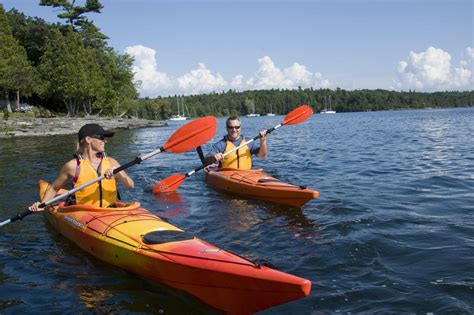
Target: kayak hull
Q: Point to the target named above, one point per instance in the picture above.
(136, 240)
(256, 184)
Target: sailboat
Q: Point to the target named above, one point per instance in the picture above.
(178, 116)
(271, 111)
(326, 110)
(253, 114)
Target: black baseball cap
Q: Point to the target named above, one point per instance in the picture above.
(90, 130)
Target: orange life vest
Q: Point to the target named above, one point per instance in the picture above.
(101, 194)
(241, 158)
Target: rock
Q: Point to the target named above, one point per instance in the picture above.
(68, 125)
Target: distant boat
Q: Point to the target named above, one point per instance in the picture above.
(179, 117)
(326, 110)
(253, 114)
(271, 111)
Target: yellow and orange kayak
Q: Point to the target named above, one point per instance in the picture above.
(136, 240)
(256, 184)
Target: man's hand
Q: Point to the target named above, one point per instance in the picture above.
(218, 157)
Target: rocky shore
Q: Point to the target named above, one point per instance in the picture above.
(68, 125)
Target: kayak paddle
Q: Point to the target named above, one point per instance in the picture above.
(186, 138)
(173, 182)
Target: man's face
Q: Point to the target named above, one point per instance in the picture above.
(233, 129)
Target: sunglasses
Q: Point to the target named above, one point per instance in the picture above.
(233, 127)
(99, 137)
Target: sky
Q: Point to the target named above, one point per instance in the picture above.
(193, 46)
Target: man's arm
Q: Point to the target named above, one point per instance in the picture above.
(262, 152)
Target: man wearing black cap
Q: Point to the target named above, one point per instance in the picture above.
(90, 161)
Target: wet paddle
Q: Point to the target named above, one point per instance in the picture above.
(186, 138)
(173, 182)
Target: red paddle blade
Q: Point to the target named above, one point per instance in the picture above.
(297, 115)
(192, 135)
(169, 184)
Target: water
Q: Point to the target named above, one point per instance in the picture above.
(392, 230)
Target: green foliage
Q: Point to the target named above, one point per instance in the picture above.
(7, 128)
(74, 70)
(64, 71)
(16, 73)
(78, 22)
(283, 101)
(31, 33)
(74, 14)
(6, 114)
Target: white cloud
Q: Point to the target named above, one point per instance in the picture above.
(470, 52)
(431, 70)
(203, 80)
(145, 69)
(269, 76)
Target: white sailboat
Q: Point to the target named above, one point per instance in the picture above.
(253, 114)
(326, 110)
(179, 116)
(271, 111)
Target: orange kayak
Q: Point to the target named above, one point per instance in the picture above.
(256, 184)
(136, 240)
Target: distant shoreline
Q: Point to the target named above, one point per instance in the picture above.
(35, 127)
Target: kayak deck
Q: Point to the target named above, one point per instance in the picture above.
(256, 184)
(136, 240)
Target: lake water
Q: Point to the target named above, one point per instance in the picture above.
(392, 230)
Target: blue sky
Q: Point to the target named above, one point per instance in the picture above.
(192, 47)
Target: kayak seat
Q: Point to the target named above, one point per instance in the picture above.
(268, 180)
(274, 180)
(166, 236)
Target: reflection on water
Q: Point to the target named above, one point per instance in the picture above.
(93, 297)
(241, 215)
(170, 204)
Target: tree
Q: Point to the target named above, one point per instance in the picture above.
(117, 86)
(65, 71)
(16, 73)
(78, 22)
(74, 14)
(31, 33)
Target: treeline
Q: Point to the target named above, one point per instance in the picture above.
(65, 67)
(283, 101)
(69, 68)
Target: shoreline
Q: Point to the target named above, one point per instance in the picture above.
(38, 127)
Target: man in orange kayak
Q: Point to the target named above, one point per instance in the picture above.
(90, 161)
(241, 158)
